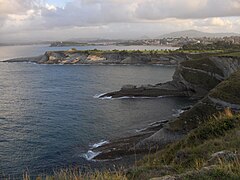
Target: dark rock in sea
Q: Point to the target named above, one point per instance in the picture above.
(126, 146)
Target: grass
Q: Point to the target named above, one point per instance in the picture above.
(228, 90)
(194, 53)
(190, 154)
(203, 64)
(76, 174)
(232, 54)
(200, 79)
(193, 117)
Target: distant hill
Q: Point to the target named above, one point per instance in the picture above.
(144, 37)
(196, 34)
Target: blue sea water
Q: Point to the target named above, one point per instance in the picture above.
(49, 117)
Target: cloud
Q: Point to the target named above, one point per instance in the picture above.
(220, 22)
(34, 15)
(95, 12)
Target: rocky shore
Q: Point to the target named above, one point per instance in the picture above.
(192, 78)
(126, 145)
(73, 56)
(214, 81)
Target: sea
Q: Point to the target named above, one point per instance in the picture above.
(51, 116)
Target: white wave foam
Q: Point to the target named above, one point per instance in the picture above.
(98, 96)
(90, 155)
(178, 112)
(101, 143)
(141, 130)
(157, 122)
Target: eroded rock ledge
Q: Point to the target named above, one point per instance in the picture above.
(214, 95)
(192, 78)
(73, 56)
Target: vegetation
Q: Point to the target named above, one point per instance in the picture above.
(204, 64)
(219, 45)
(228, 90)
(193, 152)
(195, 53)
(76, 174)
(193, 117)
(200, 78)
(231, 54)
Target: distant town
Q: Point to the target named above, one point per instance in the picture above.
(174, 39)
(173, 42)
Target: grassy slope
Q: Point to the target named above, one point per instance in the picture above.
(228, 90)
(195, 116)
(201, 79)
(207, 136)
(203, 64)
(191, 153)
(232, 54)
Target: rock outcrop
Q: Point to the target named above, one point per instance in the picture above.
(192, 78)
(224, 95)
(104, 57)
(204, 79)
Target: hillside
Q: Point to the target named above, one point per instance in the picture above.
(195, 34)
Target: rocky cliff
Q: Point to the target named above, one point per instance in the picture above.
(216, 81)
(73, 56)
(192, 78)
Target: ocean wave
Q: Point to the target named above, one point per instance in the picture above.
(157, 122)
(90, 155)
(141, 130)
(99, 96)
(99, 144)
(178, 112)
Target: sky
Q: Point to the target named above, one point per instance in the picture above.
(42, 20)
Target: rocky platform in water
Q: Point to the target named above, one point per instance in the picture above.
(73, 56)
(125, 146)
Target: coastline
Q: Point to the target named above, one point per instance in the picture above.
(193, 78)
(115, 149)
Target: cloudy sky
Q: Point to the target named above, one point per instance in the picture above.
(30, 20)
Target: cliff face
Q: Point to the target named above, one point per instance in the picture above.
(91, 57)
(105, 57)
(200, 76)
(192, 78)
(224, 95)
